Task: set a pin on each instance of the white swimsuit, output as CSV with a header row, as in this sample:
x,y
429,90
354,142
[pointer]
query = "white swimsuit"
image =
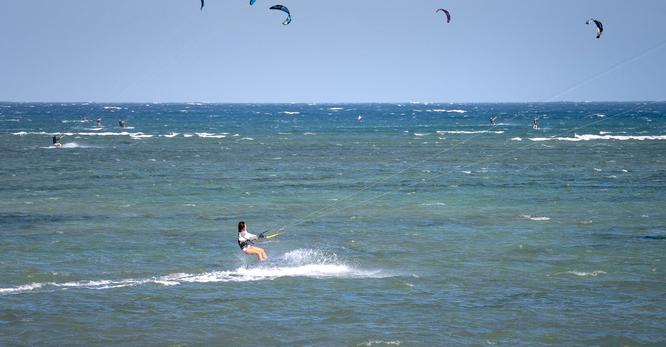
x,y
245,239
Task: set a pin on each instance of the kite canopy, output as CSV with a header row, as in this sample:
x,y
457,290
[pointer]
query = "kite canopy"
x,y
202,5
252,2
600,27
448,15
285,10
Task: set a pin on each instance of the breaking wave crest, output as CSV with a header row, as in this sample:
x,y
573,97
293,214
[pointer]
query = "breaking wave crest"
x,y
590,137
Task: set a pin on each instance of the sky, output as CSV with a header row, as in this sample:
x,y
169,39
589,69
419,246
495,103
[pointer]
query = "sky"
x,y
333,51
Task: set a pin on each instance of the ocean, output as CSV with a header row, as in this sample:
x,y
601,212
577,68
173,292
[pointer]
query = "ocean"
x,y
412,225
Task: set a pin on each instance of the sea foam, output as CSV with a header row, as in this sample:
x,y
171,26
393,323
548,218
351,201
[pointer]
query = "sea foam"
x,y
309,263
591,137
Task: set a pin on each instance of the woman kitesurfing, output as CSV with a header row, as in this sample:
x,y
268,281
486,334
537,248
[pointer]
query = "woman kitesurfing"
x,y
245,242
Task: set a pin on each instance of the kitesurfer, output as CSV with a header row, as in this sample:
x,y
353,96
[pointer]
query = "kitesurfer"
x,y
535,123
121,123
98,123
246,245
56,141
493,120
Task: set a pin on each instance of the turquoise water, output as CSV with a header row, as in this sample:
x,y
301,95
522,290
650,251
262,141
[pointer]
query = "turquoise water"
x,y
420,225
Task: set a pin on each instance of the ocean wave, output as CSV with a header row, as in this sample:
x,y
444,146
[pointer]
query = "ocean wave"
x,y
335,108
134,135
310,263
538,219
380,342
290,113
68,145
590,137
75,121
138,136
442,132
586,274
439,110
211,136
107,133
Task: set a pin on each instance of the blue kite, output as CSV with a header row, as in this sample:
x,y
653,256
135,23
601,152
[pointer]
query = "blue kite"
x,y
285,10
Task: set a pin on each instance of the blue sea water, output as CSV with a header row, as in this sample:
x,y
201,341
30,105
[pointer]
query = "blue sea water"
x,y
418,225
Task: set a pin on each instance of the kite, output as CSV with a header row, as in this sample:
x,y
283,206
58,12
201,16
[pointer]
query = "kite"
x,y
600,27
448,15
285,10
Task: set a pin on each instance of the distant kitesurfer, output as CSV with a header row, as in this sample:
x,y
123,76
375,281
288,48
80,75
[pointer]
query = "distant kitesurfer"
x,y
84,119
535,123
56,141
246,245
98,123
493,120
121,123
360,118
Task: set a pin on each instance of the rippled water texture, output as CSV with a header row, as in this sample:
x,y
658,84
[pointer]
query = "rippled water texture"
x,y
417,225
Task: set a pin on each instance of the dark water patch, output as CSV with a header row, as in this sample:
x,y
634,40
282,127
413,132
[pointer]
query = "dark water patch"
x,y
22,219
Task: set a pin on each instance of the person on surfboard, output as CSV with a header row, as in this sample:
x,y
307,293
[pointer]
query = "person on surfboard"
x,y
245,242
56,141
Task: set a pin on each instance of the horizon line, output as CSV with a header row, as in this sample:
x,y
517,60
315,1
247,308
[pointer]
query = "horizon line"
x,y
327,102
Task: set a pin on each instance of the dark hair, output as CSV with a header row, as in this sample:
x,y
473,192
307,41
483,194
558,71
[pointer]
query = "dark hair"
x,y
241,226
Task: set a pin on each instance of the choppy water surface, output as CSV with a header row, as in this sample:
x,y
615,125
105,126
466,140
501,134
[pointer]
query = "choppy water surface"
x,y
421,224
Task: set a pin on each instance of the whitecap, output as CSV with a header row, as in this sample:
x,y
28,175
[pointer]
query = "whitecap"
x,y
446,111
21,289
290,113
585,274
311,134
68,145
335,108
538,219
516,139
381,342
590,137
138,136
442,132
309,263
212,136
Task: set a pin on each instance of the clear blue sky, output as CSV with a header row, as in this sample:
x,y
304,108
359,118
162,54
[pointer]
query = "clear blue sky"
x,y
334,51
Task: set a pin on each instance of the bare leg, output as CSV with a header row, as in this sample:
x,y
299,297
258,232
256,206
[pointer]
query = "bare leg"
x,y
261,255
